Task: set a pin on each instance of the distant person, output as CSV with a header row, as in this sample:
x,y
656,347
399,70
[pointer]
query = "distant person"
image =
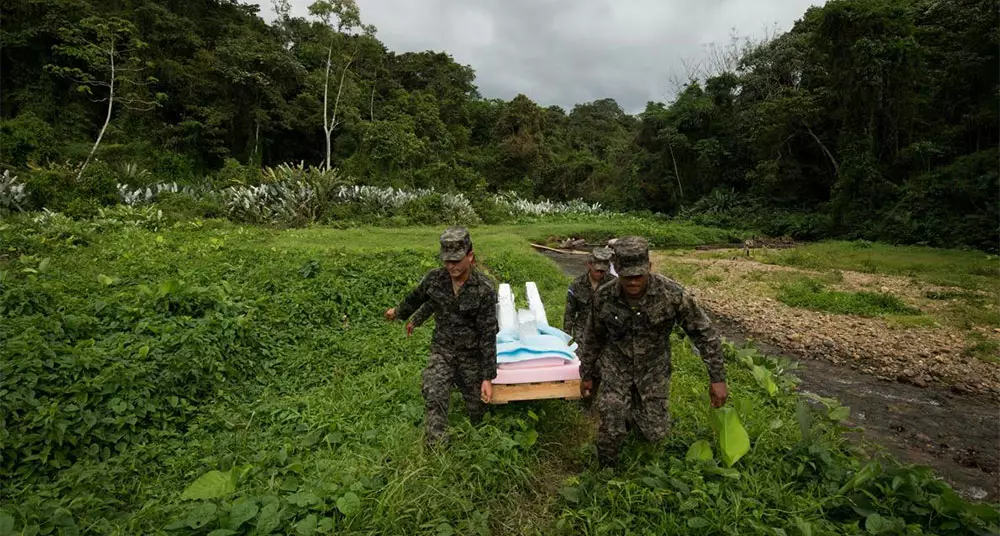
x,y
628,336
581,293
463,347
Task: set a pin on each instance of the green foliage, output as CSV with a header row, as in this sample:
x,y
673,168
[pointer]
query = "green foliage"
x,y
792,136
55,187
183,207
811,294
955,204
26,139
801,479
199,379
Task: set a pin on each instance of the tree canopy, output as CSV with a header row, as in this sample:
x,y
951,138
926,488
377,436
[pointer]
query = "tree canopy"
x,y
869,119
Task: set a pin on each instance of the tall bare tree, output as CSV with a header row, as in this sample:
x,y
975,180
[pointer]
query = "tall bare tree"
x,y
344,18
105,56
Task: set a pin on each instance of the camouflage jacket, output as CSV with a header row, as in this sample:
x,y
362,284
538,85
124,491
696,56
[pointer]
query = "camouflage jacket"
x,y
578,299
633,343
466,323
422,315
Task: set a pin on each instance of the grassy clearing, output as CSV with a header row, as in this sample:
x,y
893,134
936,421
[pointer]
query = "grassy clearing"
x,y
812,294
965,269
142,359
593,228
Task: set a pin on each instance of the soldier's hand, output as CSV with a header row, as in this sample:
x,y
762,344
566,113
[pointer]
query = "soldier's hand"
x,y
486,391
718,393
409,329
390,314
586,386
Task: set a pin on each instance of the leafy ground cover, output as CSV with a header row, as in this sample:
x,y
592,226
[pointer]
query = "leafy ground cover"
x,y
204,378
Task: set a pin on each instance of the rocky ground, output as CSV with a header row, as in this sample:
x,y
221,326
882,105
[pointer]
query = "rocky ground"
x,y
921,355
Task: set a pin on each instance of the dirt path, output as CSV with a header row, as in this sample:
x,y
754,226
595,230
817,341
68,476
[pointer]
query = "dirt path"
x,y
955,433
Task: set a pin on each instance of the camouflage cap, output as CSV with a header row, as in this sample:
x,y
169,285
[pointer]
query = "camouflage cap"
x,y
632,256
455,243
600,258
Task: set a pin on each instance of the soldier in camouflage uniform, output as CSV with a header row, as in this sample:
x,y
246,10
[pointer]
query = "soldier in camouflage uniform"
x,y
628,335
422,315
463,347
582,289
578,297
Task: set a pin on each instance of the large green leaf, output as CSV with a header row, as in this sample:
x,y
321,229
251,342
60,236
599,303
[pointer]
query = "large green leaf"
x,y
765,380
269,518
699,451
733,439
243,510
804,415
349,504
202,515
307,526
211,485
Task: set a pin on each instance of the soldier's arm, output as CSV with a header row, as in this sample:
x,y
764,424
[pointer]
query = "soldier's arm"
x,y
487,329
422,315
696,324
413,300
569,318
594,338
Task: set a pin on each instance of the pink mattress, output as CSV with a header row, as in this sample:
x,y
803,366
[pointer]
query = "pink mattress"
x,y
550,369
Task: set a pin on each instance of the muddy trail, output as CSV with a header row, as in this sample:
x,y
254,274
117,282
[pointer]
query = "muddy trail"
x,y
958,435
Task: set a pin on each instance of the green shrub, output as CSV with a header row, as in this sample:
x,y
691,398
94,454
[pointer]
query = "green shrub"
x,y
26,139
489,210
181,206
54,187
81,208
233,173
425,210
952,206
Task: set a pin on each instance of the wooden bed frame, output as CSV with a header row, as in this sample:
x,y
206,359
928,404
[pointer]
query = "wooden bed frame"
x,y
512,392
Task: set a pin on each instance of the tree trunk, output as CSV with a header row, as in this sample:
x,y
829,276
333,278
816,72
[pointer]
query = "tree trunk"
x,y
371,103
107,119
326,91
677,173
256,139
836,168
336,105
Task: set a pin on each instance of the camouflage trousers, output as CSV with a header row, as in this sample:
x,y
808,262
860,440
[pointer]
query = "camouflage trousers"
x,y
621,405
441,374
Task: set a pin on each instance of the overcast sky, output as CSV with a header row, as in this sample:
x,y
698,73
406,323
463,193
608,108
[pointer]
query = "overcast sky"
x,y
565,52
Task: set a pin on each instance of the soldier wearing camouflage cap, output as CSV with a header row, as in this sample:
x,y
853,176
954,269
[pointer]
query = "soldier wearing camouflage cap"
x,y
628,336
581,292
463,347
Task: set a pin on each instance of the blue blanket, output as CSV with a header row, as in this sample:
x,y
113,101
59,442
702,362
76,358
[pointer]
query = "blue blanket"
x,y
548,342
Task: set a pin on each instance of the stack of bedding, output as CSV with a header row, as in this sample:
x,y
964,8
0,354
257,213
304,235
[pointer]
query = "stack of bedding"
x,y
529,350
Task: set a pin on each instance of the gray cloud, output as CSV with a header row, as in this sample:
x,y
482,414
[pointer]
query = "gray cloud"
x,y
565,52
